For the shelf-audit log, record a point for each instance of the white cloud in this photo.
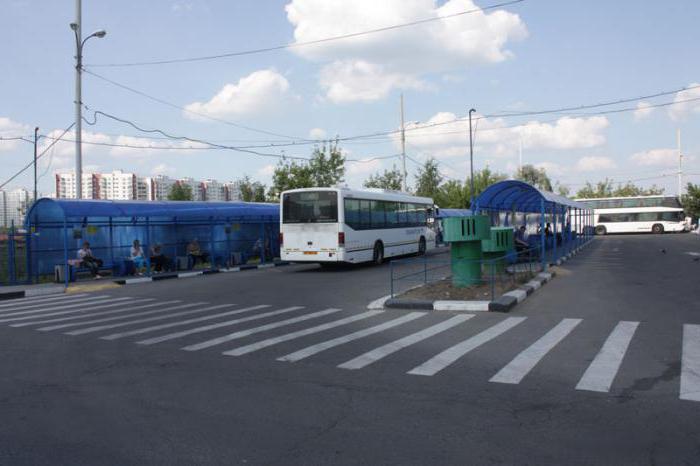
(10, 129)
(267, 170)
(552, 169)
(644, 109)
(317, 133)
(656, 157)
(594, 163)
(367, 166)
(260, 92)
(367, 67)
(682, 108)
(445, 136)
(163, 169)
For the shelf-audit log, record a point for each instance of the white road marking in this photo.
(378, 303)
(440, 361)
(78, 308)
(314, 349)
(97, 314)
(140, 331)
(109, 319)
(99, 328)
(690, 363)
(524, 362)
(38, 299)
(172, 336)
(53, 307)
(600, 374)
(262, 328)
(301, 333)
(390, 348)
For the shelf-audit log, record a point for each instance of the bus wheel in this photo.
(378, 256)
(600, 230)
(657, 229)
(421, 246)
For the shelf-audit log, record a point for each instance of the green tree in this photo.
(600, 189)
(390, 179)
(325, 168)
(534, 176)
(180, 192)
(691, 201)
(251, 191)
(453, 194)
(605, 189)
(428, 179)
(630, 189)
(563, 190)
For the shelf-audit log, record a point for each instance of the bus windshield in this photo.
(310, 207)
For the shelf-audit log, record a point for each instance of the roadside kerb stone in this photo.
(468, 306)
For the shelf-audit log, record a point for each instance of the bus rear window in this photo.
(310, 207)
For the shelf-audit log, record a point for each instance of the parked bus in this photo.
(640, 214)
(326, 225)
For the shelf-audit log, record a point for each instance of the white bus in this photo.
(327, 225)
(640, 214)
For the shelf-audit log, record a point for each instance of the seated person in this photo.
(548, 229)
(520, 239)
(195, 253)
(158, 259)
(88, 260)
(137, 256)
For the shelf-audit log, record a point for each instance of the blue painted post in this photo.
(262, 246)
(146, 248)
(66, 271)
(542, 241)
(554, 234)
(228, 242)
(212, 241)
(11, 254)
(111, 241)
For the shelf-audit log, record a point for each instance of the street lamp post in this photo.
(471, 160)
(79, 44)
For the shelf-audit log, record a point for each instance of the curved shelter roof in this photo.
(55, 209)
(521, 197)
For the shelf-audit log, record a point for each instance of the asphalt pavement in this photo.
(288, 366)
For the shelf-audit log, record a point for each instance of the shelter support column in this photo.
(147, 248)
(543, 253)
(66, 267)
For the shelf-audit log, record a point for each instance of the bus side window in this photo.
(392, 214)
(422, 214)
(364, 215)
(403, 214)
(378, 218)
(352, 213)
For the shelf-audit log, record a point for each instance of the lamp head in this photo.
(74, 26)
(101, 33)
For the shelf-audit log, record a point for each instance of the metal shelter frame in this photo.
(571, 219)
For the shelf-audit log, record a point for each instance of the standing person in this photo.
(88, 260)
(137, 256)
(194, 253)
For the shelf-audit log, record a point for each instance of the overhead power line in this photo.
(305, 43)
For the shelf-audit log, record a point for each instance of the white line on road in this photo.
(97, 314)
(301, 333)
(172, 336)
(40, 310)
(262, 328)
(690, 363)
(39, 299)
(99, 328)
(600, 374)
(390, 348)
(524, 362)
(440, 361)
(109, 319)
(314, 349)
(79, 308)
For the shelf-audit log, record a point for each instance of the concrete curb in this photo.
(31, 293)
(173, 275)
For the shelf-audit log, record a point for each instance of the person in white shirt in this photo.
(88, 260)
(137, 256)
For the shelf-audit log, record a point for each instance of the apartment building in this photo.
(13, 207)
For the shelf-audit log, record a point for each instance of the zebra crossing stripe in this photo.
(39, 300)
(82, 308)
(602, 371)
(75, 305)
(140, 331)
(314, 349)
(96, 314)
(690, 363)
(440, 361)
(108, 319)
(205, 328)
(390, 348)
(262, 328)
(524, 362)
(99, 328)
(301, 333)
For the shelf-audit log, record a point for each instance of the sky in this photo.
(531, 56)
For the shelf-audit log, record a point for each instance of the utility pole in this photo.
(471, 160)
(36, 138)
(680, 163)
(77, 26)
(404, 188)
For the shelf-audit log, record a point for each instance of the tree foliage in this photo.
(606, 188)
(390, 179)
(325, 168)
(535, 176)
(691, 201)
(180, 192)
(454, 194)
(563, 190)
(428, 179)
(251, 191)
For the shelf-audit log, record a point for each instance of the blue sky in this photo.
(534, 55)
